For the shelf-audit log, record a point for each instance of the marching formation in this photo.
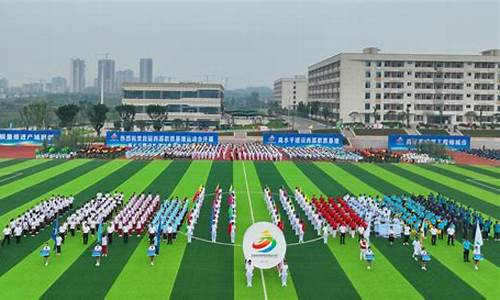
(36, 218)
(194, 213)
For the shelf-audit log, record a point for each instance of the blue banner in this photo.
(303, 139)
(140, 138)
(27, 137)
(410, 142)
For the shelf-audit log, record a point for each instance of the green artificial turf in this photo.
(250, 202)
(487, 194)
(25, 168)
(9, 162)
(73, 284)
(439, 281)
(106, 177)
(17, 199)
(315, 271)
(138, 273)
(209, 265)
(33, 279)
(29, 181)
(478, 170)
(378, 283)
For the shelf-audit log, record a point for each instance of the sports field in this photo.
(204, 270)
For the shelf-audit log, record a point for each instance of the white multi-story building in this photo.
(288, 91)
(430, 88)
(198, 103)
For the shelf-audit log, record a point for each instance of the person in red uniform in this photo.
(363, 245)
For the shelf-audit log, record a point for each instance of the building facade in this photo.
(77, 75)
(106, 76)
(288, 91)
(428, 88)
(146, 70)
(198, 103)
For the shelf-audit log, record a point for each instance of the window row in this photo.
(214, 94)
(184, 108)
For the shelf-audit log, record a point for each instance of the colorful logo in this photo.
(265, 244)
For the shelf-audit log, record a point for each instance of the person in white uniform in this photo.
(249, 272)
(284, 273)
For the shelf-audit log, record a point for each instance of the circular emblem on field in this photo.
(264, 243)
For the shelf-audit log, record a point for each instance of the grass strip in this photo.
(37, 178)
(309, 260)
(381, 282)
(478, 182)
(137, 273)
(33, 279)
(439, 281)
(476, 170)
(209, 265)
(451, 179)
(9, 162)
(79, 279)
(249, 199)
(437, 183)
(24, 197)
(83, 188)
(23, 169)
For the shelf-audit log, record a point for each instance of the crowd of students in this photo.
(135, 215)
(320, 153)
(493, 154)
(35, 219)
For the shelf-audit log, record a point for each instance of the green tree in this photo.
(127, 115)
(158, 115)
(38, 114)
(67, 115)
(315, 108)
(25, 116)
(97, 117)
(141, 124)
(117, 125)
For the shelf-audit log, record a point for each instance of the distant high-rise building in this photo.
(122, 77)
(77, 75)
(4, 85)
(58, 85)
(106, 76)
(146, 70)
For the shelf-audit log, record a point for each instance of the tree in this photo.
(158, 115)
(315, 108)
(354, 115)
(25, 117)
(141, 124)
(97, 117)
(375, 114)
(326, 112)
(117, 125)
(470, 116)
(67, 115)
(127, 115)
(38, 114)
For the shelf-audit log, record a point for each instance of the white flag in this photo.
(478, 239)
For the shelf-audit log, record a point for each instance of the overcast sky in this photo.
(250, 42)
